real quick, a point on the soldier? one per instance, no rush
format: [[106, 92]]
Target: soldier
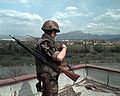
[[54, 53]]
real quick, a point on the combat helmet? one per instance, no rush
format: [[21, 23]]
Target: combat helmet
[[50, 25]]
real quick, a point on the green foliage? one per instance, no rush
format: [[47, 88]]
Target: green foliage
[[11, 53], [78, 48], [16, 60], [11, 48], [115, 49], [98, 48]]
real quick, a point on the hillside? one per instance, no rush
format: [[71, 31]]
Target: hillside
[[75, 35], [8, 37], [79, 35]]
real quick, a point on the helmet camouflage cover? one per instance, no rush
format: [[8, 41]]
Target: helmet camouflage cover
[[50, 25]]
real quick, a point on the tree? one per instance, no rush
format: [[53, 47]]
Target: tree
[[98, 48], [115, 49]]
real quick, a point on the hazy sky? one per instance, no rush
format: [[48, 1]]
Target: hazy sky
[[22, 17]]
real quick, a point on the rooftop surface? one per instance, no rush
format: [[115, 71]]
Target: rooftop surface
[[88, 87]]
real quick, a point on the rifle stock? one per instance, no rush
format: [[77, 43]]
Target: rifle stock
[[41, 57], [70, 74], [63, 64]]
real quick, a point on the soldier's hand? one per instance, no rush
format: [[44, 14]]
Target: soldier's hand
[[63, 46]]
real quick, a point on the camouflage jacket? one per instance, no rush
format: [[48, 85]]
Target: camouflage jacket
[[47, 46]]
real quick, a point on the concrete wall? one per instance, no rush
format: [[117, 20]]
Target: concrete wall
[[24, 88], [111, 78], [25, 85]]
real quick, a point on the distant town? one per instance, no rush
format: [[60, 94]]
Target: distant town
[[68, 42]]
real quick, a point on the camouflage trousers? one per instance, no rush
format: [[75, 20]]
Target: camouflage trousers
[[53, 82], [51, 77]]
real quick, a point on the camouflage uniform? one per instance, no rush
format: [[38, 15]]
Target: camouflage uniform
[[49, 48]]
